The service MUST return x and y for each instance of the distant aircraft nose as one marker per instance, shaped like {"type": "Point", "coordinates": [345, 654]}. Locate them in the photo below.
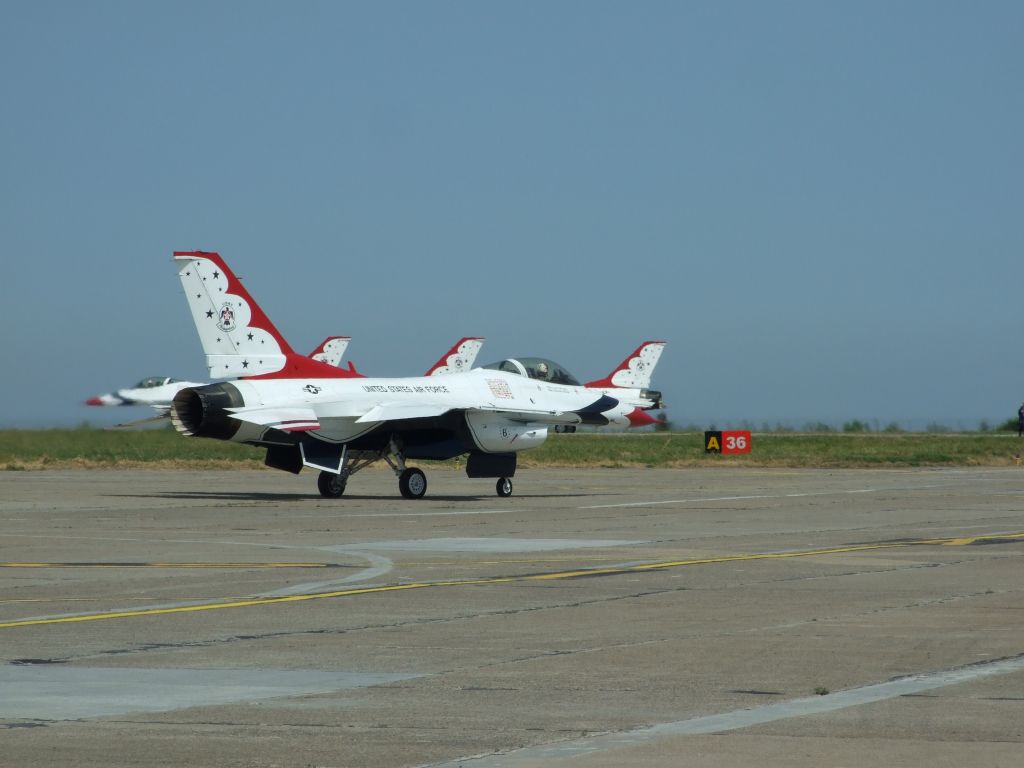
{"type": "Point", "coordinates": [104, 400]}
{"type": "Point", "coordinates": [639, 418]}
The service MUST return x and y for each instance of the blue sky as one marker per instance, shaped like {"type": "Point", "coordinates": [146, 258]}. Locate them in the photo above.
{"type": "Point", "coordinates": [819, 205]}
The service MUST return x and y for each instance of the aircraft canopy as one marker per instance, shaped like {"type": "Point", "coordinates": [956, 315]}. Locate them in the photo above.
{"type": "Point", "coordinates": [153, 381]}
{"type": "Point", "coordinates": [536, 368]}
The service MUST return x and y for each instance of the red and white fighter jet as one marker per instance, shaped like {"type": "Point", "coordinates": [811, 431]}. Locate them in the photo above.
{"type": "Point", "coordinates": [309, 414]}
{"type": "Point", "coordinates": [630, 383]}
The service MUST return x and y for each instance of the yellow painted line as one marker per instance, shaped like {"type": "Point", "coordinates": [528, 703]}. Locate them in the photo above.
{"type": "Point", "coordinates": [168, 565]}
{"type": "Point", "coordinates": [967, 540]}
{"type": "Point", "coordinates": [768, 556]}
{"type": "Point", "coordinates": [557, 575]}
{"type": "Point", "coordinates": [246, 603]}
{"type": "Point", "coordinates": [575, 574]}
{"type": "Point", "coordinates": [507, 561]}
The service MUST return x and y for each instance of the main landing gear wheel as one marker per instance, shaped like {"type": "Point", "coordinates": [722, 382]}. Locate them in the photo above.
{"type": "Point", "coordinates": [412, 483]}
{"type": "Point", "coordinates": [504, 487]}
{"type": "Point", "coordinates": [331, 485]}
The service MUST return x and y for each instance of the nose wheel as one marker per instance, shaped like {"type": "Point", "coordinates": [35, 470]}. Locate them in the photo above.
{"type": "Point", "coordinates": [504, 487]}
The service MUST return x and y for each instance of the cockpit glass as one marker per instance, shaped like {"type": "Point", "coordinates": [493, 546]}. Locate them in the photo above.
{"type": "Point", "coordinates": [539, 368]}
{"type": "Point", "coordinates": [152, 381]}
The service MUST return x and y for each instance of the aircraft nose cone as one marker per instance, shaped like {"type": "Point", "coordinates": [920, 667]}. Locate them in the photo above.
{"type": "Point", "coordinates": [94, 401]}
{"type": "Point", "coordinates": [639, 418]}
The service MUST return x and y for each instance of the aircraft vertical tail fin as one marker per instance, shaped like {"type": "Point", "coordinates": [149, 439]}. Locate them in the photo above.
{"type": "Point", "coordinates": [331, 350]}
{"type": "Point", "coordinates": [635, 370]}
{"type": "Point", "coordinates": [238, 338]}
{"type": "Point", "coordinates": [459, 358]}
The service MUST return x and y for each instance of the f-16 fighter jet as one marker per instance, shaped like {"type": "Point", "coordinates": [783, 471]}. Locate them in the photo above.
{"type": "Point", "coordinates": [631, 382]}
{"type": "Point", "coordinates": [157, 391]}
{"type": "Point", "coordinates": [309, 414]}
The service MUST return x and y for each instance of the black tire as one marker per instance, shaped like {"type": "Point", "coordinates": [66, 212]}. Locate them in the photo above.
{"type": "Point", "coordinates": [331, 485]}
{"type": "Point", "coordinates": [412, 483]}
{"type": "Point", "coordinates": [504, 487]}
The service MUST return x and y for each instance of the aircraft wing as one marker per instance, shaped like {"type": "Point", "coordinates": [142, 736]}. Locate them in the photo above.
{"type": "Point", "coordinates": [534, 417]}
{"type": "Point", "coordinates": [304, 419]}
{"type": "Point", "coordinates": [285, 419]}
{"type": "Point", "coordinates": [591, 414]}
{"type": "Point", "coordinates": [139, 422]}
{"type": "Point", "coordinates": [394, 411]}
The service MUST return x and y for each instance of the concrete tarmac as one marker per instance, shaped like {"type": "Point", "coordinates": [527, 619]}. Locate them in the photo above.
{"type": "Point", "coordinates": [598, 617]}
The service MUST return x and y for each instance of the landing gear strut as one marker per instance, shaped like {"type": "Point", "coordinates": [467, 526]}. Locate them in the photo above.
{"type": "Point", "coordinates": [412, 483]}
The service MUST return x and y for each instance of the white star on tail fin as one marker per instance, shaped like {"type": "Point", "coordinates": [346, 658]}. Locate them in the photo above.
{"type": "Point", "coordinates": [238, 338]}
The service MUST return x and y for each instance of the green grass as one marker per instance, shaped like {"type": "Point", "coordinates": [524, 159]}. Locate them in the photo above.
{"type": "Point", "coordinates": [91, 447]}
{"type": "Point", "coordinates": [161, 448]}
{"type": "Point", "coordinates": [686, 449]}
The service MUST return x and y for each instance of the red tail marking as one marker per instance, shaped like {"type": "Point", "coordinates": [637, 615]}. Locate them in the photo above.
{"type": "Point", "coordinates": [443, 361]}
{"type": "Point", "coordinates": [606, 382]}
{"type": "Point", "coordinates": [297, 366]}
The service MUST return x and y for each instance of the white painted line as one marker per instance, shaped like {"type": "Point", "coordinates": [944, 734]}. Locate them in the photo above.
{"type": "Point", "coordinates": [379, 566]}
{"type": "Point", "coordinates": [676, 501]}
{"type": "Point", "coordinates": [743, 718]}
{"type": "Point", "coordinates": [50, 692]}
{"type": "Point", "coordinates": [426, 514]}
{"type": "Point", "coordinates": [490, 545]}
{"type": "Point", "coordinates": [757, 496]}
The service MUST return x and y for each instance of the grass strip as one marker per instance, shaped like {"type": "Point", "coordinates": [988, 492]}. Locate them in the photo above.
{"type": "Point", "coordinates": [163, 448]}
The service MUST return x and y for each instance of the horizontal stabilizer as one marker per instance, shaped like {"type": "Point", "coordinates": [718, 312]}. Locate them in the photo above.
{"type": "Point", "coordinates": [234, 366]}
{"type": "Point", "coordinates": [285, 419]}
{"type": "Point", "coordinates": [162, 416]}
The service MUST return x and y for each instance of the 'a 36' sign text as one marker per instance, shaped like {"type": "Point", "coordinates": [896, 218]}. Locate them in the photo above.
{"type": "Point", "coordinates": [727, 442]}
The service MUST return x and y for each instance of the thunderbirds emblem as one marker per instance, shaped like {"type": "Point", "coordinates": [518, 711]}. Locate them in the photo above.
{"type": "Point", "coordinates": [227, 318]}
